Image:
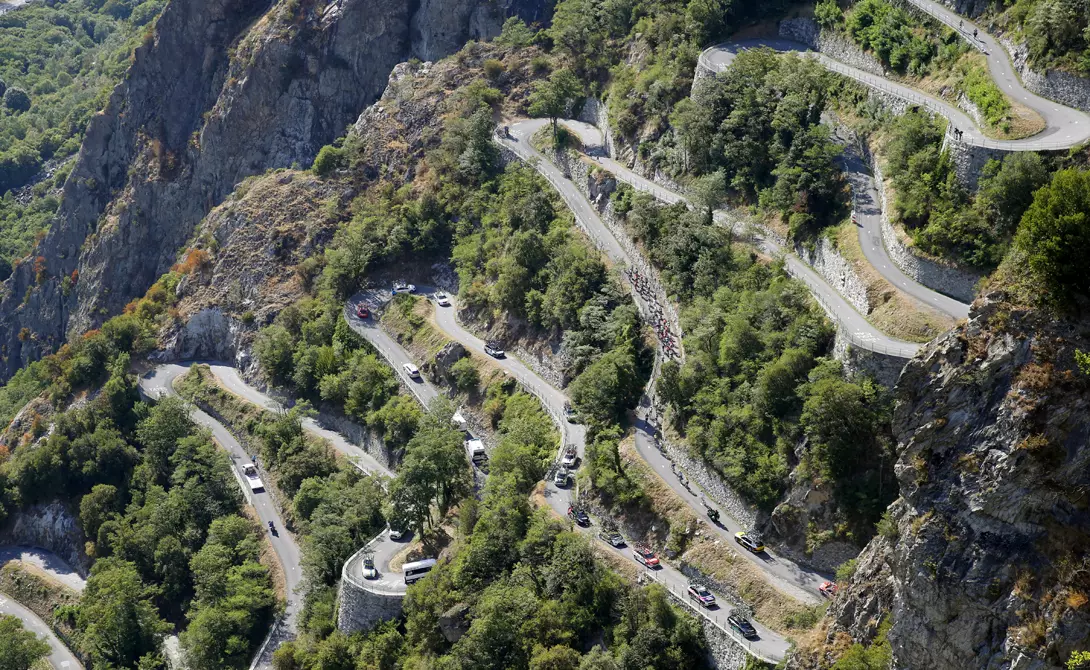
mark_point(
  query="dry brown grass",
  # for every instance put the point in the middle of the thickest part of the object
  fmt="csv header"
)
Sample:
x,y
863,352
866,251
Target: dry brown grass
x,y
34,588
894,312
1024,122
416,329
710,554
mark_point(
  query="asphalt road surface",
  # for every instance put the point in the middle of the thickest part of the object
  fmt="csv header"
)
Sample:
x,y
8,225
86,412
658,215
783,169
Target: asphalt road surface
x,y
230,379
855,324
59,655
159,382
868,210
386,345
1066,126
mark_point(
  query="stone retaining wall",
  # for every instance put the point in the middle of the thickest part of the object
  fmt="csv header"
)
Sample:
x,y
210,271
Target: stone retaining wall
x,y
359,609
362,437
711,484
1062,87
835,45
826,259
884,368
947,279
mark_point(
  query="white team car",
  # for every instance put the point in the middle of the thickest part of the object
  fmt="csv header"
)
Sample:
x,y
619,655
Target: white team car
x,y
369,570
252,478
442,300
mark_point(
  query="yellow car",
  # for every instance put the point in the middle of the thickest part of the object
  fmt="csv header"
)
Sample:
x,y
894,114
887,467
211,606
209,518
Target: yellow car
x,y
756,546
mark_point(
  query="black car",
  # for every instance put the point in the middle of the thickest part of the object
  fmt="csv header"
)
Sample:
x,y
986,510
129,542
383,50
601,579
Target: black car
x,y
577,515
743,626
493,349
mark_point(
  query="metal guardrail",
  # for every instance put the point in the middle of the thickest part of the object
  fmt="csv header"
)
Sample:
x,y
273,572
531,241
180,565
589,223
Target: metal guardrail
x,y
935,105
346,574
717,618
862,340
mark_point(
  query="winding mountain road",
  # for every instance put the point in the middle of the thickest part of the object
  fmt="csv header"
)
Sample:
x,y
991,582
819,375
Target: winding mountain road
x,y
868,210
60,656
230,379
860,331
159,382
771,646
1065,127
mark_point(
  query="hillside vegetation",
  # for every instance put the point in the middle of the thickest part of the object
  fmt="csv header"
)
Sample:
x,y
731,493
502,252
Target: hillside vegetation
x,y
58,63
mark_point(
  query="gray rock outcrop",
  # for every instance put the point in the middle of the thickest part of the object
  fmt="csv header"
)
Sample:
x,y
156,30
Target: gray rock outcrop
x,y
983,562
49,526
221,90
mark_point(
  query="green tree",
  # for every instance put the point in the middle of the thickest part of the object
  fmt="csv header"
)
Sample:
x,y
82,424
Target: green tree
x,y
1007,188
515,33
16,99
553,96
827,13
606,389
709,192
19,648
434,471
274,347
117,619
1054,235
101,504
466,377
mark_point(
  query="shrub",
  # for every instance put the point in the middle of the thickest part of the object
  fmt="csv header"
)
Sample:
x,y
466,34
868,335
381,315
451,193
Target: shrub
x,y
493,69
1055,235
466,377
828,14
329,158
16,99
846,570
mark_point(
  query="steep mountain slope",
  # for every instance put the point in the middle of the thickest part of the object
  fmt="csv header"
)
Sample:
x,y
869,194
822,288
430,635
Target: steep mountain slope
x,y
221,90
982,562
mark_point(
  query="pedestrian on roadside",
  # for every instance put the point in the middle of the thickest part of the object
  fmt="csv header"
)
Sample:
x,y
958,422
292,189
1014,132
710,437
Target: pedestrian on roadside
x,y
974,33
960,24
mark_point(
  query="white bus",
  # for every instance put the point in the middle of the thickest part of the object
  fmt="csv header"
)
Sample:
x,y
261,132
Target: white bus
x,y
417,569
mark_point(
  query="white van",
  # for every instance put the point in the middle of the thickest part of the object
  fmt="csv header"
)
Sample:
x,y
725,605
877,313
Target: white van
x,y
417,569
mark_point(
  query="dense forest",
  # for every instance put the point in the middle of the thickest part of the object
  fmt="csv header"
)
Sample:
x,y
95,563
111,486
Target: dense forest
x,y
759,397
58,63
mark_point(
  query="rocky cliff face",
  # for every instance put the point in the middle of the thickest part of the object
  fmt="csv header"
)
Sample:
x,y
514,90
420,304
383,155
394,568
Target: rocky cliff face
x,y
221,90
984,563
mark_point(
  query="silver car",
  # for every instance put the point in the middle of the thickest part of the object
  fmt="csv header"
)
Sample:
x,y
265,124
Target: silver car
x,y
561,477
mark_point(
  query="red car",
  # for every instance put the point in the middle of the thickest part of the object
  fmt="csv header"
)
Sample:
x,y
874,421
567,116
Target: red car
x,y
644,555
827,589
362,311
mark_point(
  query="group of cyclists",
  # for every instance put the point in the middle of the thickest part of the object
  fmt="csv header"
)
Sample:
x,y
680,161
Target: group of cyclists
x,y
647,290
